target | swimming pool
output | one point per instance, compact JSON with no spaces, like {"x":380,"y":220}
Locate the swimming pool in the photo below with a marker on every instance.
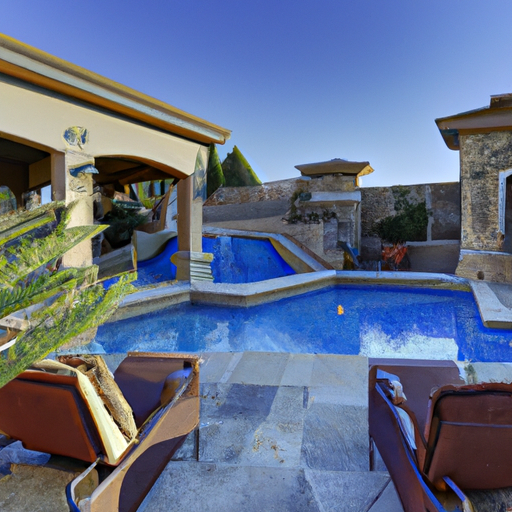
{"x":235,"y":260}
{"x":375,"y":320}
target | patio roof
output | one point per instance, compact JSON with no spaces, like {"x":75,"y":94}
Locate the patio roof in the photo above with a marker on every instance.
{"x":495,"y":117}
{"x":42,"y":69}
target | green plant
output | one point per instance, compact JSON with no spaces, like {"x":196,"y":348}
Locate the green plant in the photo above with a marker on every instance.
{"x":328,"y":215}
{"x":294,"y":216}
{"x":63,"y":302}
{"x":408,"y":225}
{"x":237,"y":171}
{"x":313,"y":217}
{"x":122,"y":222}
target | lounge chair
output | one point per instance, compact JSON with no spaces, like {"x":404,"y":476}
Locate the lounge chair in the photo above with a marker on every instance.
{"x":457,"y":453}
{"x":53,"y":408}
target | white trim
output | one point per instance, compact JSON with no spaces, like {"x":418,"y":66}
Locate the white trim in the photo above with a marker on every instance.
{"x":502,"y":201}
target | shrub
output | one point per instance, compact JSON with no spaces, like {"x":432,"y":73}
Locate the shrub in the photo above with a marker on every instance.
{"x":408,"y":225}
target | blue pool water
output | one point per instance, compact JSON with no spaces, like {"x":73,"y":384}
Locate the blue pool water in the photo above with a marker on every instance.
{"x":235,"y":260}
{"x":378,"y":321}
{"x":244,"y":260}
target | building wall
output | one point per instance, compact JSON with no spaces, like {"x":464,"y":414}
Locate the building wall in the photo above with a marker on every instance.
{"x":263,"y":208}
{"x":482,"y":157}
{"x":45,"y":119}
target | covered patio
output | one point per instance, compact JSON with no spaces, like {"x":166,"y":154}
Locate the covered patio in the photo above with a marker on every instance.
{"x":66,"y":127}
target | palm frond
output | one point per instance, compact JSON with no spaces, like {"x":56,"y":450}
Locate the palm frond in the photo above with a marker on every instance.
{"x":21,"y":222}
{"x":70,"y":315}
{"x":31,"y":254}
{"x":43,"y":287}
{"x":62,"y":303}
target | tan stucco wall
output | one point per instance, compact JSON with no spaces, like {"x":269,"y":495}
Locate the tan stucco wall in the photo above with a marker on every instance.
{"x":40,"y":120}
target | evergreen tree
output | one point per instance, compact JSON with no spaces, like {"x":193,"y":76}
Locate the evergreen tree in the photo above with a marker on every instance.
{"x":238,"y":172}
{"x":214,"y":175}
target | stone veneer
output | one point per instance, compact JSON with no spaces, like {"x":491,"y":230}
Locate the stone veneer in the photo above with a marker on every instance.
{"x":279,"y":190}
{"x":262,"y":208}
{"x":442,"y":199}
{"x":482,"y":157}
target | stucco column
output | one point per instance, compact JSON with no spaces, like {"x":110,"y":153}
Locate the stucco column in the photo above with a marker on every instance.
{"x":191,"y":196}
{"x":69,"y":188}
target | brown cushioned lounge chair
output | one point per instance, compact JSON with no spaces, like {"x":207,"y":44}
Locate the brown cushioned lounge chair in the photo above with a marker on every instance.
{"x":51,"y":409}
{"x":464,"y":457}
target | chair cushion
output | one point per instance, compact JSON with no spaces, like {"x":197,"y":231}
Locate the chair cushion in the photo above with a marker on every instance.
{"x":48,"y":414}
{"x":469,"y":436}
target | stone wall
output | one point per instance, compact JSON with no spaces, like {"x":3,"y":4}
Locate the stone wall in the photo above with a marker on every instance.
{"x":482,"y":157}
{"x":442,"y":200}
{"x":488,"y":266}
{"x":263,"y":209}
{"x":279,"y":190}
{"x":273,"y":191}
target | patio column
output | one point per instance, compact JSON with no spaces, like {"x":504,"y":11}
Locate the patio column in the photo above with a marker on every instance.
{"x":190,"y":260}
{"x":69,"y":185}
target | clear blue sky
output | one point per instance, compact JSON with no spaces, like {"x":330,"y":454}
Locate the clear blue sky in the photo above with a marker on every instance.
{"x":296,"y":81}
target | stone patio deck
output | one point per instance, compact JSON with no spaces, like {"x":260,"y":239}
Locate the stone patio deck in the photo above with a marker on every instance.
{"x":279,"y":432}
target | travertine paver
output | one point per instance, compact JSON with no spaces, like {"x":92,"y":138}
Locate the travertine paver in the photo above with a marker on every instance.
{"x":283,"y":432}
{"x":298,"y":371}
{"x":339,"y":380}
{"x":33,"y":488}
{"x":336,"y":438}
{"x":212,"y":487}
{"x":214,"y":365}
{"x":231,"y":415}
{"x":388,"y":501}
{"x":494,"y":312}
{"x":347,"y":491}
{"x":260,"y":368}
{"x":473,"y":373}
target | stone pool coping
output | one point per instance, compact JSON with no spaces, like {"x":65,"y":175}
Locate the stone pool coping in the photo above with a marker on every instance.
{"x":493,"y":312}
{"x":156,"y":298}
